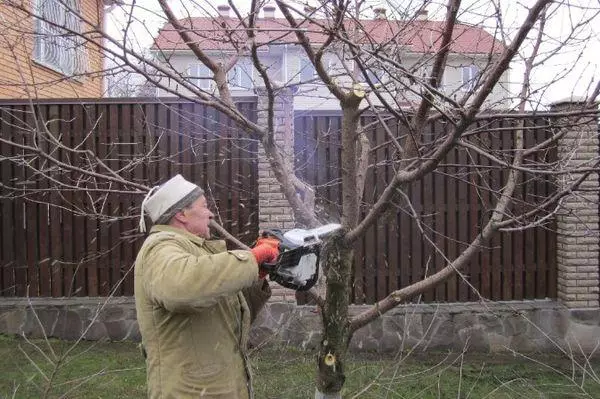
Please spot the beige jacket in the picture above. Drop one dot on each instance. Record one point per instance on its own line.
(195, 302)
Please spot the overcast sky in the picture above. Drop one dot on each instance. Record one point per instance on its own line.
(578, 65)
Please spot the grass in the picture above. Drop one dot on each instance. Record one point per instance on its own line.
(116, 370)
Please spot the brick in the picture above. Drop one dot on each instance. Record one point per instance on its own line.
(578, 304)
(572, 261)
(587, 297)
(568, 297)
(578, 290)
(276, 211)
(283, 218)
(578, 276)
(587, 283)
(269, 196)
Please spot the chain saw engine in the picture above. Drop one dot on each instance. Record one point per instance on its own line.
(297, 266)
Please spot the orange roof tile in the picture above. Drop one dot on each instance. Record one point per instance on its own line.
(416, 36)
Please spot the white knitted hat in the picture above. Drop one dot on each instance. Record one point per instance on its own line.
(175, 194)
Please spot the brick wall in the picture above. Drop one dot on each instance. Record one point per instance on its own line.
(274, 210)
(577, 220)
(21, 77)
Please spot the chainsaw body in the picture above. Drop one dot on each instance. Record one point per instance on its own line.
(297, 266)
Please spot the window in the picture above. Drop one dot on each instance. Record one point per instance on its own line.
(240, 76)
(200, 75)
(57, 44)
(425, 73)
(470, 75)
(273, 66)
(307, 71)
(375, 75)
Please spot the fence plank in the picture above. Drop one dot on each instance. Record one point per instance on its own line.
(43, 260)
(79, 242)
(104, 227)
(392, 228)
(474, 266)
(126, 207)
(380, 225)
(427, 236)
(438, 195)
(30, 135)
(21, 281)
(91, 223)
(508, 270)
(7, 170)
(451, 222)
(463, 208)
(483, 198)
(496, 242)
(527, 237)
(540, 266)
(370, 248)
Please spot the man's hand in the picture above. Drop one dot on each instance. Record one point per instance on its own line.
(272, 241)
(264, 253)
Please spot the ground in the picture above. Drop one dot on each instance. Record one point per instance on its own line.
(116, 370)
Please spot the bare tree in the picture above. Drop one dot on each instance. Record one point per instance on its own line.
(370, 77)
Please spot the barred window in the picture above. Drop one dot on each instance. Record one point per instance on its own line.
(57, 44)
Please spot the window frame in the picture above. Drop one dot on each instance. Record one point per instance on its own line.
(54, 47)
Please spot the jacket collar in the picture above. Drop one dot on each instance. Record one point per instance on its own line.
(192, 237)
(213, 245)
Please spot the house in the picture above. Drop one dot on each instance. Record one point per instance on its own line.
(44, 57)
(410, 43)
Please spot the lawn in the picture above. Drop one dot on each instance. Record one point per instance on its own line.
(116, 370)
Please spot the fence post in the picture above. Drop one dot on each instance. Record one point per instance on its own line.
(274, 210)
(577, 221)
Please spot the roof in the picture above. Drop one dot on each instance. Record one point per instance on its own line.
(419, 36)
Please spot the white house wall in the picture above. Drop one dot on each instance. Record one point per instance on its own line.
(317, 97)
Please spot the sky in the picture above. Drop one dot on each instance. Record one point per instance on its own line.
(574, 70)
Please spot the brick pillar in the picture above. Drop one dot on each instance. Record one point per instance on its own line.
(274, 210)
(577, 221)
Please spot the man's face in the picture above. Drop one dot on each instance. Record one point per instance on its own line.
(196, 218)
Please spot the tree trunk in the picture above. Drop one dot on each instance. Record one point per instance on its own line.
(337, 256)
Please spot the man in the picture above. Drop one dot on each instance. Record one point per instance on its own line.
(194, 299)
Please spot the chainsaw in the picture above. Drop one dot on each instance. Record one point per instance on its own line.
(297, 266)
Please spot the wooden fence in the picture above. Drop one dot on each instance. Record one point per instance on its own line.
(83, 242)
(452, 204)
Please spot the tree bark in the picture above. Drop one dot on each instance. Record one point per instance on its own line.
(336, 333)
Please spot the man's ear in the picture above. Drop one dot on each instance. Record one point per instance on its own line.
(180, 216)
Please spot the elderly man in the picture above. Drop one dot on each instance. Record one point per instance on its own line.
(194, 299)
